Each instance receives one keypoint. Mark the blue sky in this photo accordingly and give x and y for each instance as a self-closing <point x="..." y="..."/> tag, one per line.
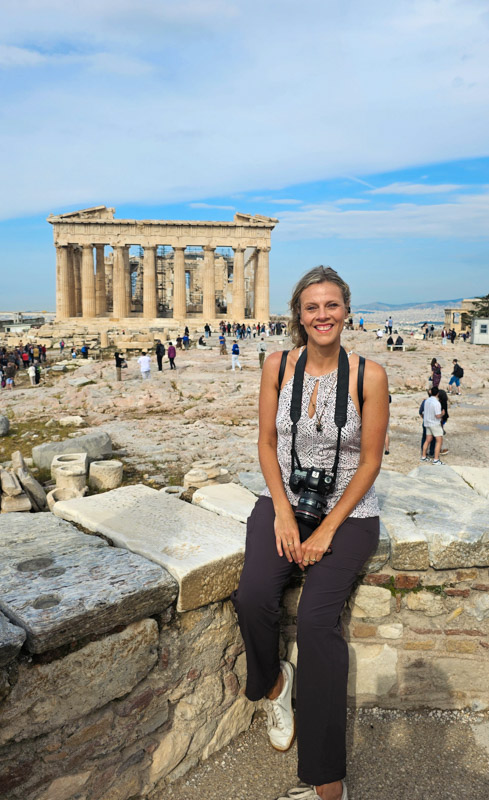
<point x="362" y="126"/>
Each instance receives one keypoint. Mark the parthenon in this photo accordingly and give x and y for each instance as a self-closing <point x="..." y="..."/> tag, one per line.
<point x="160" y="269"/>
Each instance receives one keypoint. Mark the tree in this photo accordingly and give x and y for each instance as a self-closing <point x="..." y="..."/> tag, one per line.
<point x="481" y="307"/>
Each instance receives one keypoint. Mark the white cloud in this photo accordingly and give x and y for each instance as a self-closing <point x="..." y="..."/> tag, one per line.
<point x="416" y="188"/>
<point x="348" y="201"/>
<point x="157" y="101"/>
<point x="12" y="57"/>
<point x="464" y="219"/>
<point x="280" y="201"/>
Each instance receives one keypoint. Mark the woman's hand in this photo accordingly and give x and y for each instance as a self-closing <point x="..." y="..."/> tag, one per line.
<point x="315" y="547"/>
<point x="287" y="536"/>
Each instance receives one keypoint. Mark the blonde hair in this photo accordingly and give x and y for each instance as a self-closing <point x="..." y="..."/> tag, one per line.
<point x="317" y="275"/>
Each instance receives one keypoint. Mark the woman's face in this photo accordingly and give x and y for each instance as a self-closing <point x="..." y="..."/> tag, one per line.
<point x="322" y="312"/>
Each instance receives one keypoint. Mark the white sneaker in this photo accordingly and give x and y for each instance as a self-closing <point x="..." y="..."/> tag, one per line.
<point x="437" y="461"/>
<point x="280" y="716"/>
<point x="309" y="793"/>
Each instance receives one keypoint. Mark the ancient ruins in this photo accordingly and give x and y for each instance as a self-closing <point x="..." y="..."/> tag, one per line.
<point x="182" y="270"/>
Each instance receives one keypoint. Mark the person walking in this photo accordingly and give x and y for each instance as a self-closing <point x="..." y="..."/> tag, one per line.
<point x="119" y="364"/>
<point x="235" y="356"/>
<point x="435" y="373"/>
<point x="171" y="355"/>
<point x="262" y="351"/>
<point x="160" y="352"/>
<point x="222" y="344"/>
<point x="432" y="416"/>
<point x="31" y="371"/>
<point x="332" y="549"/>
<point x="456" y="377"/>
<point x="144" y="362"/>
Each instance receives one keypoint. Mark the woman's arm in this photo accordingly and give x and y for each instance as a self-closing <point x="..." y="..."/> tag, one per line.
<point x="286" y="529"/>
<point x="375" y="417"/>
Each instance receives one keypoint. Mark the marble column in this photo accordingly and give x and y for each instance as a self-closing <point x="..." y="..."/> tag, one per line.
<point x="127" y="278"/>
<point x="179" y="288"/>
<point x="119" y="284"/>
<point x="100" y="293"/>
<point x="63" y="288"/>
<point x="77" y="277"/>
<point x="109" y="281"/>
<point x="88" y="282"/>
<point x="262" y="289"/>
<point x="150" y="310"/>
<point x="71" y="281"/>
<point x="208" y="285"/>
<point x="238" y="304"/>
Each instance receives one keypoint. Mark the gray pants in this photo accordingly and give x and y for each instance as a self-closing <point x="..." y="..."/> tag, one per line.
<point x="322" y="668"/>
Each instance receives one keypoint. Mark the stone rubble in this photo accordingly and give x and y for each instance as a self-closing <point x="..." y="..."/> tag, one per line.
<point x="20" y="491"/>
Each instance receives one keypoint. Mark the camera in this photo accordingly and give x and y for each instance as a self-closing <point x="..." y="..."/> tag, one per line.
<point x="316" y="484"/>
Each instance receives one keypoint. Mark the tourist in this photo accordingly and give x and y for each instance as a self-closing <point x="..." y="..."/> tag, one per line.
<point x="432" y="416"/>
<point x="398" y="344"/>
<point x="207" y="330"/>
<point x="43" y="353"/>
<point x="360" y="324"/>
<point x="120" y="363"/>
<point x="380" y="333"/>
<point x="456" y="377"/>
<point x="453" y="336"/>
<point x="25" y="357"/>
<point x="201" y="342"/>
<point x="333" y="553"/>
<point x="443" y="337"/>
<point x="435" y="373"/>
<point x="222" y="345"/>
<point x="390" y="342"/>
<point x="38" y="373"/>
<point x="31" y="371"/>
<point x="160" y="352"/>
<point x="262" y="350"/>
<point x="386" y="326"/>
<point x="10" y="371"/>
<point x="144" y="362"/>
<point x="186" y="341"/>
<point x="179" y="342"/>
<point x="84" y="350"/>
<point x="390" y="324"/>
<point x="61" y="346"/>
<point x="235" y="356"/>
<point x="73" y="352"/>
<point x="171" y="355"/>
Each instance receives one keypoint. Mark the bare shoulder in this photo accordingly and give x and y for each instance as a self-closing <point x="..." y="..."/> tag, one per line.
<point x="375" y="374"/>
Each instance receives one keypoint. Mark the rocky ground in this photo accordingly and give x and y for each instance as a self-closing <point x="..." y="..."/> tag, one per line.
<point x="204" y="410"/>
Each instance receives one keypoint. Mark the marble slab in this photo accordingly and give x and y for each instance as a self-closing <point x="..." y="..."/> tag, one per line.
<point x="61" y="585"/>
<point x="228" y="500"/>
<point x="203" y="551"/>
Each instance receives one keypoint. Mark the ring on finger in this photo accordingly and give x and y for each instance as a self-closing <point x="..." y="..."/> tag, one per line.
<point x="289" y="544"/>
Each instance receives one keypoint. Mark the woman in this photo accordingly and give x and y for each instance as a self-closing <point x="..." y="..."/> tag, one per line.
<point x="435" y="373"/>
<point x="331" y="555"/>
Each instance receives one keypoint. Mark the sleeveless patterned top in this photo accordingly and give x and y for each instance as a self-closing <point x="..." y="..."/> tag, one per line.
<point x="318" y="448"/>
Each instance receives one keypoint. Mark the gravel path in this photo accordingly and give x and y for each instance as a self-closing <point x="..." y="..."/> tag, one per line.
<point x="437" y="755"/>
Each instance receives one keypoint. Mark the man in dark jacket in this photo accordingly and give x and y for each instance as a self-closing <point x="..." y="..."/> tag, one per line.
<point x="160" y="352"/>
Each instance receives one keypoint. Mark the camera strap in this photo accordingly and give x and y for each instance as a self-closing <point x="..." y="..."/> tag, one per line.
<point x="340" y="412"/>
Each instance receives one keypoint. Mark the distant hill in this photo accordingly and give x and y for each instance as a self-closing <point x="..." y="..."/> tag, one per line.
<point x="378" y="306"/>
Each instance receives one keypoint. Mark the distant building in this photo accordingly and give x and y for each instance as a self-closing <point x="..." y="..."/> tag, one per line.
<point x="453" y="316"/>
<point x="480" y="331"/>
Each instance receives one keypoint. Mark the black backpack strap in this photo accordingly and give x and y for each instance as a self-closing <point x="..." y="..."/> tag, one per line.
<point x="281" y="371"/>
<point x="361" y="372"/>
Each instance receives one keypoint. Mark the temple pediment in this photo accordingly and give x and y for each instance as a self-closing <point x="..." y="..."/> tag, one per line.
<point x="97" y="212"/>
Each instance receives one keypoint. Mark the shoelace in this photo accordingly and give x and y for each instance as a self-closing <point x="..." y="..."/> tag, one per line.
<point x="274" y="717"/>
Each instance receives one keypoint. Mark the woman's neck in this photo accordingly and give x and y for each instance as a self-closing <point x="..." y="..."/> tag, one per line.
<point x="321" y="360"/>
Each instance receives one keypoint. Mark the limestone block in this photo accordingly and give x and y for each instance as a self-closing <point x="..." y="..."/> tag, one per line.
<point x="409" y="545"/>
<point x="478" y="606"/>
<point x="105" y="474"/>
<point x="96" y="445"/>
<point x="71" y="477"/>
<point x="61" y="593"/>
<point x="236" y="720"/>
<point x="20" y="502"/>
<point x="18" y="461"/>
<point x="81" y="381"/>
<point x="228" y="500"/>
<point x="11" y="640"/>
<point x="382" y="554"/>
<point x="203" y="551"/>
<point x="47" y="696"/>
<point x="4" y="425"/>
<point x="426" y="602"/>
<point x="171" y="750"/>
<point x="75" y="420"/>
<point x="211" y="468"/>
<point x="69" y="460"/>
<point x="67" y="787"/>
<point x="476" y="477"/>
<point x="55" y="495"/>
<point x="58" y="368"/>
<point x="392" y="631"/>
<point x="254" y="481"/>
<point x="32" y="487"/>
<point x="204" y="700"/>
<point x="371" y="601"/>
<point x="10" y="483"/>
<point x="373" y="669"/>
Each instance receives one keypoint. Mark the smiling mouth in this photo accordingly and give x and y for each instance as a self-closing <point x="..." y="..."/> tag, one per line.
<point x="323" y="328"/>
